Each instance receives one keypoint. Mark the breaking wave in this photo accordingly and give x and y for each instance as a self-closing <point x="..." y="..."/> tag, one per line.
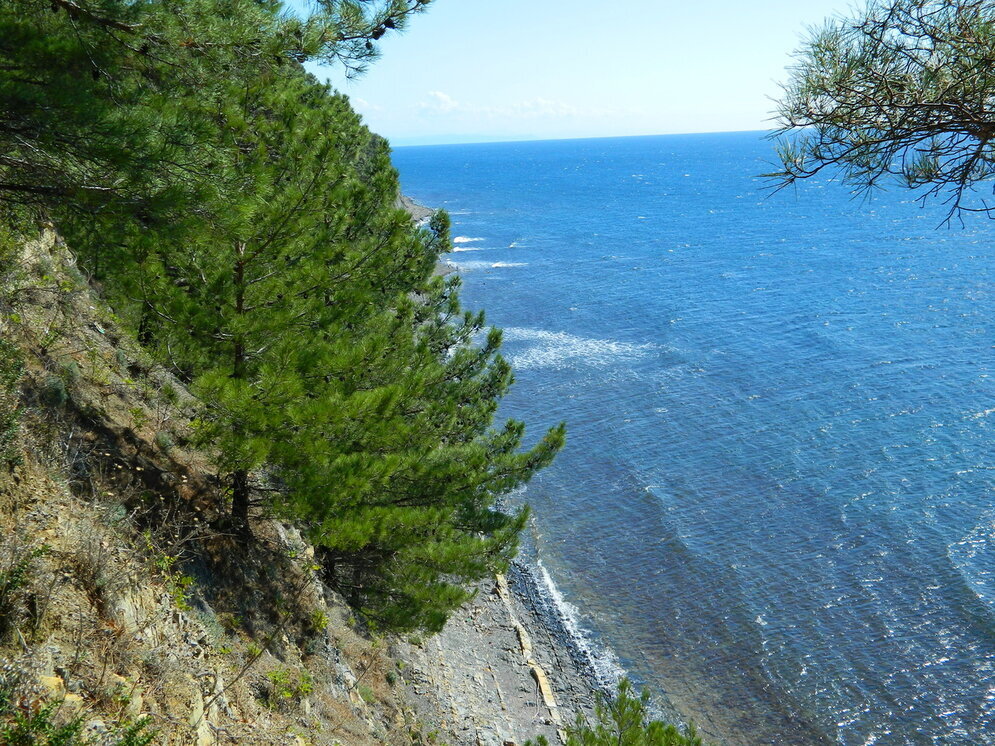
<point x="539" y="348"/>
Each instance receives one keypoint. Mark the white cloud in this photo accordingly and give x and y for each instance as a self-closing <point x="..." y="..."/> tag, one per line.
<point x="361" y="104"/>
<point x="441" y="102"/>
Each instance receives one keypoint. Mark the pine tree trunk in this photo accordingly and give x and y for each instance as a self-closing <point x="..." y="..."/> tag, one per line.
<point x="240" y="477"/>
<point x="240" y="501"/>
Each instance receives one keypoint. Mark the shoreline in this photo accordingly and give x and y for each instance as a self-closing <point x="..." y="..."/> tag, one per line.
<point x="420" y="215"/>
<point x="500" y="672"/>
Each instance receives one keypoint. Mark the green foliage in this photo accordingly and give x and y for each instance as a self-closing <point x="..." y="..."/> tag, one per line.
<point x="392" y="466"/>
<point x="37" y="725"/>
<point x="367" y="694"/>
<point x="10" y="253"/>
<point x="321" y="346"/>
<point x="288" y="685"/>
<point x="164" y="440"/>
<point x="27" y="720"/>
<point x="902" y="91"/>
<point x="318" y="621"/>
<point x="177" y="583"/>
<point x="625" y="721"/>
<point x="11" y="370"/>
<point x="53" y="391"/>
<point x="69" y="372"/>
<point x="135" y="734"/>
<point x="107" y="103"/>
<point x="17" y="565"/>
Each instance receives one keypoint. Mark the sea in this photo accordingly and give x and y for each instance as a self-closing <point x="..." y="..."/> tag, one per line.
<point x="776" y="506"/>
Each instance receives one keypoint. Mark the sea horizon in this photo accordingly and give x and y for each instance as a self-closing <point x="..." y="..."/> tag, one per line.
<point x="455" y="140"/>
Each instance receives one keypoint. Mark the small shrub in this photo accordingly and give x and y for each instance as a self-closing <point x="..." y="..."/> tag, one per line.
<point x="624" y="721"/>
<point x="10" y="255"/>
<point x="168" y="393"/>
<point x="26" y="719"/>
<point x="366" y="694"/>
<point x="16" y="565"/>
<point x="99" y="575"/>
<point x="177" y="583"/>
<point x="11" y="370"/>
<point x="77" y="276"/>
<point x="53" y="391"/>
<point x="140" y="417"/>
<point x="229" y="622"/>
<point x="318" y="621"/>
<point x="134" y="734"/>
<point x="69" y="372"/>
<point x="35" y="724"/>
<point x="164" y="440"/>
<point x="44" y="267"/>
<point x="287" y="685"/>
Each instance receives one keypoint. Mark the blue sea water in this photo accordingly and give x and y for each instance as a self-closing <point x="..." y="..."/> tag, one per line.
<point x="776" y="503"/>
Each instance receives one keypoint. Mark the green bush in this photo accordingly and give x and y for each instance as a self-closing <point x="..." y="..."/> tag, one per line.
<point x="69" y="372"/>
<point x="17" y="566"/>
<point x="26" y="720"/>
<point x="11" y="369"/>
<point x="624" y="721"/>
<point x="10" y="251"/>
<point x="35" y="725"/>
<point x="164" y="440"/>
<point x="53" y="391"/>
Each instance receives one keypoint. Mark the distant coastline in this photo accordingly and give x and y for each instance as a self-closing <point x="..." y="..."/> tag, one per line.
<point x="420" y="214"/>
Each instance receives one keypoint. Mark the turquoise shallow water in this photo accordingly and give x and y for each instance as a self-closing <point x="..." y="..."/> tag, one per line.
<point x="776" y="504"/>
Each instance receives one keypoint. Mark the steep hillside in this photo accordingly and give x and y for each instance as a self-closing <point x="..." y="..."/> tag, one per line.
<point x="122" y="605"/>
<point x="113" y="600"/>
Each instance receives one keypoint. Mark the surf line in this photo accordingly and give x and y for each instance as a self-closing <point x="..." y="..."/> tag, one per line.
<point x="525" y="647"/>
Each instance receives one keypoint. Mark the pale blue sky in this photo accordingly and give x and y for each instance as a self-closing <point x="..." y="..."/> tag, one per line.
<point x="540" y="69"/>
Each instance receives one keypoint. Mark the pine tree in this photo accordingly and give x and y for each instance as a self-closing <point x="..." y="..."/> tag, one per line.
<point x="625" y="721"/>
<point x="105" y="104"/>
<point x="307" y="317"/>
<point x="901" y="92"/>
<point x="393" y="467"/>
<point x="238" y="301"/>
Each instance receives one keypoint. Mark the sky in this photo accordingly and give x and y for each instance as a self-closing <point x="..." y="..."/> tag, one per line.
<point x="480" y="70"/>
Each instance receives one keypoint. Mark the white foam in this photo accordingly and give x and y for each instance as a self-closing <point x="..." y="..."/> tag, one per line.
<point x="470" y="266"/>
<point x="561" y="350"/>
<point x="601" y="660"/>
<point x="469" y="248"/>
<point x="466" y="239"/>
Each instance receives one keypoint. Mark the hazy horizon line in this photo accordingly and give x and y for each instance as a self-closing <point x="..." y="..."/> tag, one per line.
<point x="437" y="140"/>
